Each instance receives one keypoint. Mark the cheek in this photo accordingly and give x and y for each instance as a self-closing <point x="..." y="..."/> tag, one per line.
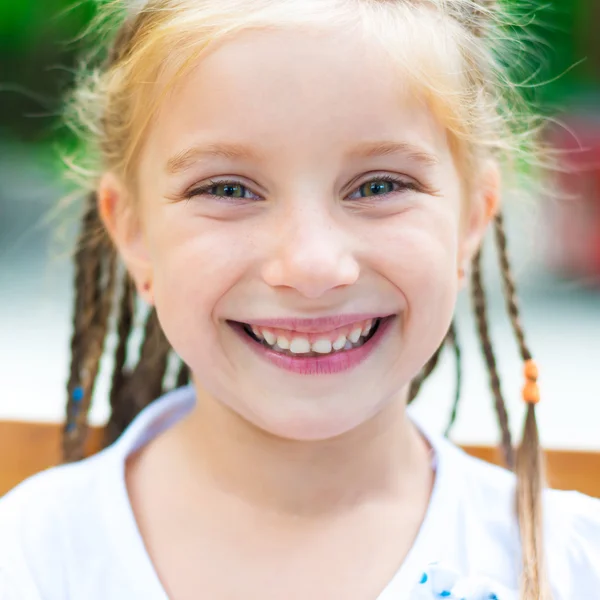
<point x="420" y="249"/>
<point x="195" y="263"/>
<point x="419" y="257"/>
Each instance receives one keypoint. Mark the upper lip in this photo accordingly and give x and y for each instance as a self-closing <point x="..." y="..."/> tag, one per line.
<point x="317" y="324"/>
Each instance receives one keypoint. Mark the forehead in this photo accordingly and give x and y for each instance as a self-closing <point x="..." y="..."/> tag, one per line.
<point x="283" y="90"/>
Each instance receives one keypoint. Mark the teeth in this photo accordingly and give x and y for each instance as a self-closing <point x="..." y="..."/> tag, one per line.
<point x="322" y="347"/>
<point x="283" y="342"/>
<point x="300" y="346"/>
<point x="269" y="337"/>
<point x="355" y="335"/>
<point x="339" y="343"/>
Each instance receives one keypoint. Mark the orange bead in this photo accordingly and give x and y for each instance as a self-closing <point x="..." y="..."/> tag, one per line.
<point x="531" y="370"/>
<point x="531" y="393"/>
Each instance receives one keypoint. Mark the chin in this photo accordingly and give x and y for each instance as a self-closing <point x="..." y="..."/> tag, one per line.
<point x="308" y="421"/>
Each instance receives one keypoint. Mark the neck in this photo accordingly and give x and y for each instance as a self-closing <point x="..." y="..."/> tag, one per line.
<point x="384" y="458"/>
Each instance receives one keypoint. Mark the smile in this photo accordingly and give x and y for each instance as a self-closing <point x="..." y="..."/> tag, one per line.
<point x="316" y="353"/>
<point x="294" y="344"/>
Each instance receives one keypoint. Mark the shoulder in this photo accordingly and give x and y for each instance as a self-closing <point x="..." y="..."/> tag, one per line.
<point x="571" y="525"/>
<point x="52" y="491"/>
<point x="572" y="528"/>
<point x="570" y="515"/>
<point x="42" y="524"/>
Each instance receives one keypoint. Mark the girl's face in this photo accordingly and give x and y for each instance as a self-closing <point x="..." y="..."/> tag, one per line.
<point x="294" y="184"/>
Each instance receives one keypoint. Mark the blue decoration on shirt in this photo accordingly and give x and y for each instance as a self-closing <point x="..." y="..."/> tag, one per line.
<point x="424" y="578"/>
<point x="445" y="594"/>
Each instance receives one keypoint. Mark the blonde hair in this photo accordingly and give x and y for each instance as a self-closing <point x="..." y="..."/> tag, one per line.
<point x="451" y="51"/>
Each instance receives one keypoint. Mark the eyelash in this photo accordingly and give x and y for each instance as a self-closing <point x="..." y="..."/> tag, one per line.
<point x="205" y="189"/>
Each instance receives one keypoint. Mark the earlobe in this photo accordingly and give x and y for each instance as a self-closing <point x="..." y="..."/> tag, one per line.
<point x="117" y="213"/>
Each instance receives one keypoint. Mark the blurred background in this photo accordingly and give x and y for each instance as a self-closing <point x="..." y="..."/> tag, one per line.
<point x="554" y="238"/>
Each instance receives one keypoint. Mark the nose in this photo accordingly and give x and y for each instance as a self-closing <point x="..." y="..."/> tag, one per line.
<point x="312" y="255"/>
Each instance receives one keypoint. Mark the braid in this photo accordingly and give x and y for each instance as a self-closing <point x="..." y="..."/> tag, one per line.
<point x="432" y="363"/>
<point x="184" y="375"/>
<point x="144" y="384"/>
<point x="95" y="264"/>
<point x="149" y="374"/>
<point x="509" y="287"/>
<point x="124" y="327"/>
<point x="480" y="307"/>
<point x="530" y="463"/>
<point x="453" y="339"/>
<point x="417" y="382"/>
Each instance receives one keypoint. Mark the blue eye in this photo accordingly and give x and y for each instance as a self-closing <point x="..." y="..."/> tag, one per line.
<point x="231" y="190"/>
<point x="382" y="186"/>
<point x="223" y="189"/>
<point x="376" y="188"/>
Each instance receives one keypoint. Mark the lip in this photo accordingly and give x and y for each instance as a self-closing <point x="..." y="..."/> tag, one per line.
<point x="317" y="325"/>
<point x="321" y="365"/>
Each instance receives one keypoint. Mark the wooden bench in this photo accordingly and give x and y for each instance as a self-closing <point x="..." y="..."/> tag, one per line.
<point x="27" y="448"/>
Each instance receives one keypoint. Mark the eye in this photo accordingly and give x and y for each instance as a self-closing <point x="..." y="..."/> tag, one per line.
<point x="376" y="188"/>
<point x="223" y="189"/>
<point x="383" y="185"/>
<point x="231" y="190"/>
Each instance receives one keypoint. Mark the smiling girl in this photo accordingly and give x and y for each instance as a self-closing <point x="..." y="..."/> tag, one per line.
<point x="297" y="189"/>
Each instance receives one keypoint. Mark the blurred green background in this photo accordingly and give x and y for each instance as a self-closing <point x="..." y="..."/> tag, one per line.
<point x="37" y="54"/>
<point x="556" y="247"/>
<point x="38" y="50"/>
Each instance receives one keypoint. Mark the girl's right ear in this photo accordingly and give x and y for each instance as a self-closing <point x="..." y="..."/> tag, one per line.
<point x="117" y="211"/>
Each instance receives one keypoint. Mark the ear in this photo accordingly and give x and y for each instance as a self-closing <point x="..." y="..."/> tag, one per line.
<point x="481" y="208"/>
<point x="120" y="219"/>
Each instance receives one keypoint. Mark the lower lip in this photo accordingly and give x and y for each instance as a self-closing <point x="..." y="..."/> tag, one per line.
<point x="319" y="365"/>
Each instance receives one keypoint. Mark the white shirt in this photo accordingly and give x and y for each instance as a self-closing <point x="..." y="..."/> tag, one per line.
<point x="69" y="533"/>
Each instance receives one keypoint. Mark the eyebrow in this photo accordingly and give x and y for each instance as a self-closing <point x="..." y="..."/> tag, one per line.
<point x="231" y="151"/>
<point x="387" y="148"/>
<point x="186" y="158"/>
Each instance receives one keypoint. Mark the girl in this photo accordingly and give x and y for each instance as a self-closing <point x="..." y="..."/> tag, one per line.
<point x="297" y="188"/>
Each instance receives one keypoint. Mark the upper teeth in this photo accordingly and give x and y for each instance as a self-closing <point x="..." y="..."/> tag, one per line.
<point x="355" y="334"/>
<point x="300" y="344"/>
<point x="269" y="337"/>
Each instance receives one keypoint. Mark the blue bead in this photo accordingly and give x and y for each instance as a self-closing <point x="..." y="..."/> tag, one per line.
<point x="78" y="394"/>
<point x="492" y="597"/>
<point x="424" y="578"/>
<point x="445" y="594"/>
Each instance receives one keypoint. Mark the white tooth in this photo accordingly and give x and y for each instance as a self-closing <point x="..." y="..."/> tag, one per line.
<point x="355" y="335"/>
<point x="300" y="346"/>
<point x="367" y="329"/>
<point x="283" y="342"/>
<point x="322" y="347"/>
<point x="339" y="343"/>
<point x="269" y="337"/>
<point x="257" y="333"/>
<point x="348" y="345"/>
